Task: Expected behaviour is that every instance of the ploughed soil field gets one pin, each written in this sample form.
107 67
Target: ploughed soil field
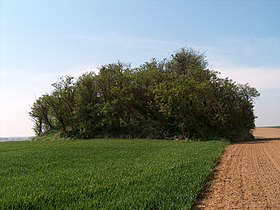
247 176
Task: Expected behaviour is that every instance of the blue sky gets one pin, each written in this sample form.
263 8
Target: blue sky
43 40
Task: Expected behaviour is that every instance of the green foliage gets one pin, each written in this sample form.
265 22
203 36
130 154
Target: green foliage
104 174
175 97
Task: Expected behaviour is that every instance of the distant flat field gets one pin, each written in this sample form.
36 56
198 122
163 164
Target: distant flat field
266 133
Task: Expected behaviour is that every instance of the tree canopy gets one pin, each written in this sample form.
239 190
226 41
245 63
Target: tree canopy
178 96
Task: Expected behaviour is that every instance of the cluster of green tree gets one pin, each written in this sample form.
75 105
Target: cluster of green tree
178 96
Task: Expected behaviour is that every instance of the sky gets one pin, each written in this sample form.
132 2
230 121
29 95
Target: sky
42 40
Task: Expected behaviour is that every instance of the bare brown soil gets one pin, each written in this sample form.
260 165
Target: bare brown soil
266 133
247 177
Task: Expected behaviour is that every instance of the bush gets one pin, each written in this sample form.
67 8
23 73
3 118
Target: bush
179 96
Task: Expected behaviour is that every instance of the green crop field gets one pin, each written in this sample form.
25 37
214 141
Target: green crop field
105 174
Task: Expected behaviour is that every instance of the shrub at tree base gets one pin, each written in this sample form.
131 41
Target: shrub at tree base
178 96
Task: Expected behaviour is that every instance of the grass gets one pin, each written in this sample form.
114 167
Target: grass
104 174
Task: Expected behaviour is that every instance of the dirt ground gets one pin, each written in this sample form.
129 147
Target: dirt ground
266 133
248 175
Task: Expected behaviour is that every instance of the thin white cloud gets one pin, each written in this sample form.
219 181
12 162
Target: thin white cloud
254 61
123 39
131 42
235 49
19 88
262 78
253 52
